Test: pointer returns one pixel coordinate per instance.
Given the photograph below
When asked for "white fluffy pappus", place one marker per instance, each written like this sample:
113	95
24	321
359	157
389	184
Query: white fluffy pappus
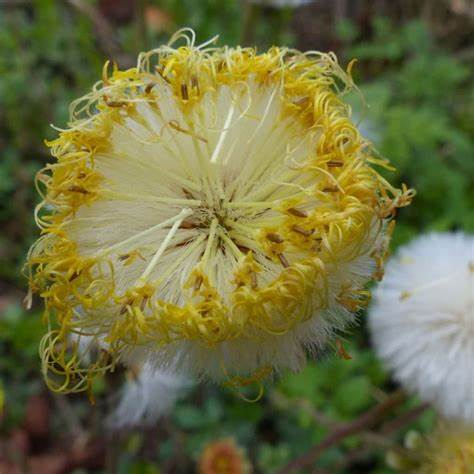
422	321
147	398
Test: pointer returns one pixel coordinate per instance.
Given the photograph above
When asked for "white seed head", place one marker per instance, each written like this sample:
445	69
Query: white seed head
422	321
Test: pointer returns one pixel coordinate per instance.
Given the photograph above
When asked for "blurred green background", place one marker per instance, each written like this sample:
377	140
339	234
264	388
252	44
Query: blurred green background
415	70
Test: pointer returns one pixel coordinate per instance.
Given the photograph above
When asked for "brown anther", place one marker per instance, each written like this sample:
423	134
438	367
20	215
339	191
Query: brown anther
123	257
243	249
187	225
277	239
334	164
184	92
301	101
283	260
198	283
160	72
123	309
74	276
182	244
77	189
187	193
317	244
302	231
253	280
149	87
113	103
330	189
81	175
195	84
143	303
297	212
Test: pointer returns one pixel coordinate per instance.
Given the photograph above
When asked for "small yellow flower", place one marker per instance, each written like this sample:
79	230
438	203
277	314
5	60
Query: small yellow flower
224	457
448	450
212	208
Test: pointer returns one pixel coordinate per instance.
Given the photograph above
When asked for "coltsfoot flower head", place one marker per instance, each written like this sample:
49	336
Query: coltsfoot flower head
448	450
213	209
422	321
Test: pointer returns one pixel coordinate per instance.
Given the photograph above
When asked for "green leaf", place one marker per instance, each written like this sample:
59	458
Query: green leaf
190	417
353	396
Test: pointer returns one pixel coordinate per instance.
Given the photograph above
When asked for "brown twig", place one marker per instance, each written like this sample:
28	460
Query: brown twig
371	441
366	420
411	415
380	439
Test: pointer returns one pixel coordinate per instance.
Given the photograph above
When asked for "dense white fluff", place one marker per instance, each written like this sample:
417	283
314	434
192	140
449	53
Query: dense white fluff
422	321
287	351
144	400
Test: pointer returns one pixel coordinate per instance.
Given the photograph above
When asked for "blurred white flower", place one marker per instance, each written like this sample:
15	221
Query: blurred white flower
150	396
422	321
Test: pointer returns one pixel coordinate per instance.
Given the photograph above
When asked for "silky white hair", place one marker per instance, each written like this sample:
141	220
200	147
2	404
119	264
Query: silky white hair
147	398
422	321
143	400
